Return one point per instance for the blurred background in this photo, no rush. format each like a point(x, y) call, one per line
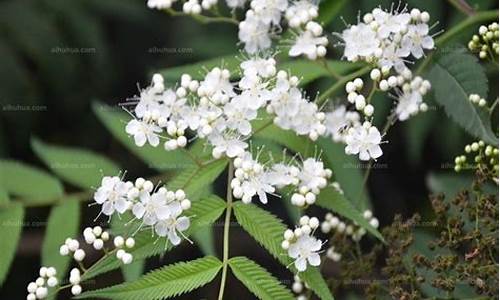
point(58, 56)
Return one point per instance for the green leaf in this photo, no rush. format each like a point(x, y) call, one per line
point(82, 168)
point(114, 119)
point(454, 77)
point(193, 179)
point(133, 271)
point(202, 214)
point(268, 231)
point(346, 171)
point(4, 197)
point(10, 231)
point(32, 184)
point(265, 129)
point(166, 282)
point(331, 199)
point(63, 222)
point(328, 10)
point(258, 280)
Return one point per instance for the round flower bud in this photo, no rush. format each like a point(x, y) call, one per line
point(384, 85)
point(310, 198)
point(41, 292)
point(51, 271)
point(285, 244)
point(181, 141)
point(368, 110)
point(32, 287)
point(73, 245)
point(127, 258)
point(304, 220)
point(120, 253)
point(180, 195)
point(374, 222)
point(358, 82)
point(79, 255)
point(185, 204)
point(297, 287)
point(52, 282)
point(130, 242)
point(367, 214)
point(306, 229)
point(425, 17)
point(288, 235)
point(118, 241)
point(139, 182)
point(40, 281)
point(326, 227)
point(297, 232)
point(76, 290)
point(31, 296)
point(148, 186)
point(314, 222)
point(97, 230)
point(105, 236)
point(350, 87)
point(98, 244)
point(43, 272)
point(375, 74)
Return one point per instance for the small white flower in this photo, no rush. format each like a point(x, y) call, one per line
point(112, 195)
point(408, 105)
point(305, 250)
point(364, 140)
point(308, 44)
point(143, 132)
point(360, 41)
point(254, 33)
point(416, 40)
point(269, 11)
point(338, 120)
point(171, 226)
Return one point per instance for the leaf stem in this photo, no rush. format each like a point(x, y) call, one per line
point(227, 222)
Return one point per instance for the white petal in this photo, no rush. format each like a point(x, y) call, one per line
point(314, 259)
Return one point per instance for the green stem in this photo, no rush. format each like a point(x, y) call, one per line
point(463, 6)
point(474, 19)
point(227, 222)
point(340, 84)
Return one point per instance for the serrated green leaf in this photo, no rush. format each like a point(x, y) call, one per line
point(82, 168)
point(193, 179)
point(169, 281)
point(11, 219)
point(63, 222)
point(202, 214)
point(346, 171)
point(265, 129)
point(331, 199)
point(258, 280)
point(31, 184)
point(268, 231)
point(454, 77)
point(114, 119)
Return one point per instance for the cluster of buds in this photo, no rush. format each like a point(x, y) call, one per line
point(485, 158)
point(121, 254)
point(72, 246)
point(38, 289)
point(486, 42)
point(353, 89)
point(312, 178)
point(476, 99)
point(356, 232)
point(95, 237)
point(74, 280)
point(301, 12)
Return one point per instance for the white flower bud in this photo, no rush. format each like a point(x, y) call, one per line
point(127, 258)
point(314, 222)
point(76, 290)
point(52, 281)
point(118, 241)
point(97, 230)
point(304, 220)
point(375, 74)
point(130, 242)
point(368, 110)
point(120, 253)
point(285, 244)
point(185, 204)
point(367, 214)
point(98, 244)
point(41, 292)
point(79, 255)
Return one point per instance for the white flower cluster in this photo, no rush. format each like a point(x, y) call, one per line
point(388, 38)
point(339, 120)
point(96, 237)
point(476, 99)
point(302, 246)
point(156, 207)
point(252, 178)
point(332, 222)
point(39, 289)
point(119, 241)
point(364, 140)
point(160, 4)
point(214, 109)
